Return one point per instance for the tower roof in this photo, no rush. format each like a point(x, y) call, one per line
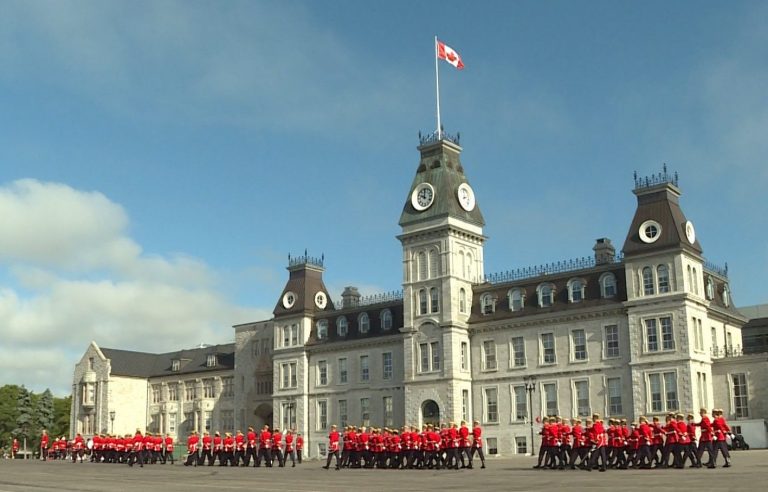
point(659, 222)
point(440, 167)
point(305, 284)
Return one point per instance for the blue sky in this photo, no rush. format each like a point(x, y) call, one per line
point(159, 160)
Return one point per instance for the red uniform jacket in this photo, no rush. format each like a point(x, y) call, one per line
point(706, 429)
point(333, 441)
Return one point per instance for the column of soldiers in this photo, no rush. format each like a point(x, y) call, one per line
point(132, 449)
point(269, 447)
point(643, 444)
point(448, 446)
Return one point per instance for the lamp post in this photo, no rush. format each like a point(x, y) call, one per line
point(112, 421)
point(530, 388)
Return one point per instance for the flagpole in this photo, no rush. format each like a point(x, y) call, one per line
point(437, 90)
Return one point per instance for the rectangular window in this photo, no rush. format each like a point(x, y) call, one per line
point(667, 336)
point(489, 355)
point(288, 370)
point(550, 398)
point(517, 345)
point(322, 372)
point(435, 347)
point(190, 391)
point(228, 387)
point(364, 371)
point(294, 335)
point(173, 392)
point(207, 420)
point(343, 413)
point(581, 390)
point(288, 410)
point(388, 412)
point(424, 356)
point(464, 355)
point(365, 411)
point(579, 340)
point(435, 300)
point(255, 344)
point(172, 423)
point(189, 421)
point(654, 387)
point(286, 336)
point(386, 362)
point(740, 395)
point(612, 341)
point(651, 336)
point(491, 405)
point(521, 403)
point(465, 405)
point(89, 394)
point(322, 415)
point(614, 396)
point(155, 393)
point(670, 388)
point(343, 371)
point(493, 447)
point(208, 389)
point(548, 348)
point(521, 445)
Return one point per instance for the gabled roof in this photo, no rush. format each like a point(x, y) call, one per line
point(145, 365)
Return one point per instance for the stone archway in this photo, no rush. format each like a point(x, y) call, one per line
point(263, 415)
point(430, 413)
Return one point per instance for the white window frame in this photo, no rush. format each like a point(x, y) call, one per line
point(322, 329)
point(365, 369)
point(514, 295)
point(573, 347)
point(582, 287)
point(512, 358)
point(387, 372)
point(515, 407)
point(739, 412)
point(487, 367)
point(575, 397)
point(663, 384)
point(608, 404)
point(604, 285)
point(542, 349)
point(487, 304)
point(363, 323)
point(343, 370)
point(386, 319)
point(342, 326)
point(540, 294)
point(322, 424)
point(322, 367)
point(543, 397)
point(660, 341)
point(486, 415)
point(606, 355)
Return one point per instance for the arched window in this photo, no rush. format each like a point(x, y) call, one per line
point(648, 289)
point(434, 299)
point(469, 267)
point(363, 323)
point(690, 279)
point(386, 319)
point(434, 264)
point(608, 285)
point(576, 290)
point(546, 293)
point(422, 265)
point(726, 296)
point(662, 272)
point(695, 282)
point(462, 300)
point(516, 299)
point(487, 304)
point(322, 329)
point(710, 289)
point(423, 301)
point(342, 326)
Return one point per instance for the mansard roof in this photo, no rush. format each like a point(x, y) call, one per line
point(352, 314)
point(146, 365)
point(529, 285)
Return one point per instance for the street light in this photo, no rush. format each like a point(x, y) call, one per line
point(112, 420)
point(530, 387)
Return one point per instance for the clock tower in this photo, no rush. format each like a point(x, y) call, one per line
point(442, 238)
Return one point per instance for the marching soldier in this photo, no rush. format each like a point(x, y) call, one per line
point(251, 450)
point(705, 440)
point(299, 445)
point(239, 449)
point(168, 451)
point(218, 448)
point(477, 444)
point(137, 447)
point(277, 454)
point(207, 450)
point(721, 429)
point(265, 447)
point(44, 439)
point(228, 455)
point(333, 447)
point(193, 456)
point(289, 448)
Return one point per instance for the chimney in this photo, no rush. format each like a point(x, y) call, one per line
point(350, 297)
point(604, 251)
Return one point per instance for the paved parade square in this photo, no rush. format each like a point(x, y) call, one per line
point(748, 473)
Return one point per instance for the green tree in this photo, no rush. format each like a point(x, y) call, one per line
point(25, 421)
point(61, 410)
point(45, 414)
point(9, 395)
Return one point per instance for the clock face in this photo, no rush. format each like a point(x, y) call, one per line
point(423, 196)
point(466, 197)
point(321, 300)
point(690, 232)
point(289, 299)
point(649, 231)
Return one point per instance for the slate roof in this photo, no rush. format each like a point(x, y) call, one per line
point(145, 365)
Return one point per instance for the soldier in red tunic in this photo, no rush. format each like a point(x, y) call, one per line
point(644, 457)
point(44, 439)
point(599, 442)
point(78, 447)
point(721, 430)
point(477, 444)
point(239, 449)
point(265, 447)
point(333, 447)
point(277, 438)
point(137, 447)
point(168, 451)
point(228, 455)
point(14, 448)
point(299, 445)
point(705, 439)
point(193, 449)
point(289, 437)
point(207, 450)
point(251, 448)
point(218, 448)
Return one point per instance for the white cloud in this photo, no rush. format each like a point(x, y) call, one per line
point(77, 276)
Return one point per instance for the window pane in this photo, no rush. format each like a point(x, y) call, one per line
point(582, 398)
point(521, 403)
point(612, 341)
point(740, 397)
point(614, 396)
point(667, 336)
point(518, 351)
point(550, 398)
point(663, 274)
point(489, 352)
point(670, 387)
point(579, 345)
point(435, 300)
point(548, 347)
point(648, 281)
point(424, 350)
point(652, 335)
point(435, 346)
point(654, 383)
point(491, 405)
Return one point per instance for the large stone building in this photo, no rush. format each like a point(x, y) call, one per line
point(628, 334)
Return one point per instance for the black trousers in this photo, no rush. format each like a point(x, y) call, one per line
point(331, 455)
point(206, 454)
point(266, 455)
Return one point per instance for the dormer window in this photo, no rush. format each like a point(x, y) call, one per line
point(710, 289)
point(210, 361)
point(322, 329)
point(386, 319)
point(576, 290)
point(175, 365)
point(516, 300)
point(726, 296)
point(487, 304)
point(608, 285)
point(546, 293)
point(364, 323)
point(342, 326)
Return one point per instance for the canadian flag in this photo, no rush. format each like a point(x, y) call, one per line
point(445, 52)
